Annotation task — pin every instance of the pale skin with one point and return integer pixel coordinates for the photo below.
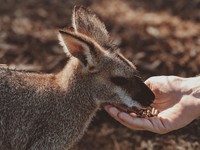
(177, 100)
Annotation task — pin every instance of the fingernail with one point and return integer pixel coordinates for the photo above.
(113, 111)
(133, 114)
(124, 116)
(106, 107)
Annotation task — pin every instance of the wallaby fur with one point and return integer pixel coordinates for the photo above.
(52, 111)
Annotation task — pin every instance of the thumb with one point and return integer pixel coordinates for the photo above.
(149, 83)
(153, 84)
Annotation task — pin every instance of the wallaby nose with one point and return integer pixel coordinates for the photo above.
(142, 94)
(145, 97)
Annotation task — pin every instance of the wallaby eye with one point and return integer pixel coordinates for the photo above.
(119, 80)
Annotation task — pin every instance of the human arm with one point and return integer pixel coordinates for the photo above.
(177, 100)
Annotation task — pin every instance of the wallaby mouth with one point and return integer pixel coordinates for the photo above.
(123, 107)
(140, 112)
(140, 93)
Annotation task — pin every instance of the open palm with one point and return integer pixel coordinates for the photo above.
(177, 100)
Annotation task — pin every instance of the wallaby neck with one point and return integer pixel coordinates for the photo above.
(67, 73)
(76, 87)
(79, 97)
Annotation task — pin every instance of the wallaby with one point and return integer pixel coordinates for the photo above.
(52, 111)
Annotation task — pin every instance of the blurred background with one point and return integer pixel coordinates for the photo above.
(161, 37)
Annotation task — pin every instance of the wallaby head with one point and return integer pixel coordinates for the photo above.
(112, 78)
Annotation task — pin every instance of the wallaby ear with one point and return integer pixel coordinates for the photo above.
(86, 22)
(77, 46)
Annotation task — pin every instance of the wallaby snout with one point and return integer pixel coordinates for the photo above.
(142, 93)
(136, 89)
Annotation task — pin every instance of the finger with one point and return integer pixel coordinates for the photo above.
(107, 107)
(151, 124)
(150, 84)
(159, 125)
(147, 82)
(125, 119)
(133, 114)
(114, 112)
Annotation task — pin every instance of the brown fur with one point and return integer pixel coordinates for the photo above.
(52, 111)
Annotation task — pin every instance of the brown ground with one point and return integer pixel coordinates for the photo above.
(162, 37)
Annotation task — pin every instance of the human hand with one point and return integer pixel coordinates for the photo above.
(177, 100)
